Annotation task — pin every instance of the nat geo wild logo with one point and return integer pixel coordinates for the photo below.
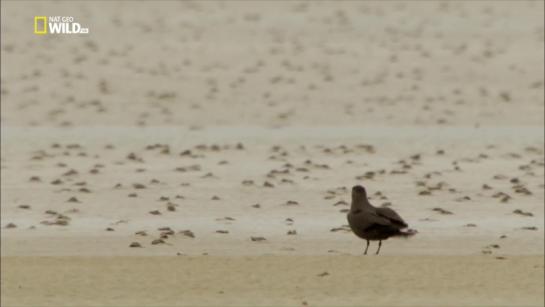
(57, 25)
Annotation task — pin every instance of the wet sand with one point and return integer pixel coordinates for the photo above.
(255, 194)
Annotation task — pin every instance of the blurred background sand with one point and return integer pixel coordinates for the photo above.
(223, 138)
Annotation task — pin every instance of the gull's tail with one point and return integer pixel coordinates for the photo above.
(406, 233)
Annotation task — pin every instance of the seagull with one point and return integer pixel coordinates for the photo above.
(374, 224)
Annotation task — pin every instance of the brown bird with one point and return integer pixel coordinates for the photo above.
(374, 224)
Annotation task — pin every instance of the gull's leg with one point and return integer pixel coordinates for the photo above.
(379, 245)
(366, 248)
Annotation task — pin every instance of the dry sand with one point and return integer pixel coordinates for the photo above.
(273, 281)
(223, 138)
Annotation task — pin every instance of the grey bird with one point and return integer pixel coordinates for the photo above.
(374, 224)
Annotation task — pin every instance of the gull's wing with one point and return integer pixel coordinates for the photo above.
(364, 219)
(392, 216)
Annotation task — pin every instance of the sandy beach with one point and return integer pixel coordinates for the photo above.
(203, 153)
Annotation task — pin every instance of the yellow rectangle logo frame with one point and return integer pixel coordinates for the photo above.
(36, 19)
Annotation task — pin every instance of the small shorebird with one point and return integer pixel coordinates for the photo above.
(374, 224)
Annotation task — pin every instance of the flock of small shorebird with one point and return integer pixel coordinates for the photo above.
(366, 221)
